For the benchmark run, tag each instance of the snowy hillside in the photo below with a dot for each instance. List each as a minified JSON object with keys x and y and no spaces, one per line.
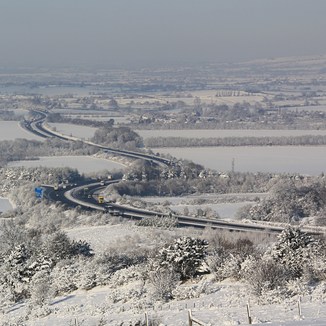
{"x":128,"y":296}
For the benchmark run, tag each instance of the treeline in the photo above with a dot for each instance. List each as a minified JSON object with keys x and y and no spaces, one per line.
{"x":178,"y":186}
{"x":235,"y":141}
{"x":7,"y":115}
{"x":58,"y":118}
{"x":21,"y":149}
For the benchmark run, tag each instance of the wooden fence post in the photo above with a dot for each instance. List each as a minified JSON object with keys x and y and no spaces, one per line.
{"x":299,"y":307}
{"x":189,"y":317}
{"x":249,"y":314}
{"x":146,"y":319}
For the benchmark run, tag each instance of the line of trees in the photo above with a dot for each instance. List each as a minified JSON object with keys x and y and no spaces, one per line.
{"x":57,"y":117}
{"x":236,"y":141}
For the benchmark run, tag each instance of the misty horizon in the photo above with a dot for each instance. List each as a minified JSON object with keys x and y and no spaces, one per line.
{"x":41,"y":33}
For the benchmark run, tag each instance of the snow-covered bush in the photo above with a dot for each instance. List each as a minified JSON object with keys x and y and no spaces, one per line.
{"x":126,"y":275}
{"x":166,"y":222}
{"x":263,"y":274}
{"x":124,"y":288}
{"x":226,"y":267}
{"x":226,"y":255}
{"x":29,"y":254}
{"x":15,"y":272}
{"x":64,"y":276}
{"x":194,"y":290}
{"x":292,"y":263}
{"x":40,"y":288}
{"x":11,"y":235}
{"x":81,"y":248}
{"x":163,"y":282}
{"x":294,"y":250}
{"x":184,"y":256}
{"x":58,"y":246}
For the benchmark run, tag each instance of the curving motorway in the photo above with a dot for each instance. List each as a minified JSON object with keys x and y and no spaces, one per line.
{"x":86,"y":195}
{"x":37,"y":127}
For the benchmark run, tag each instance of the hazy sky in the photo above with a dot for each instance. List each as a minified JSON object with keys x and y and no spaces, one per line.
{"x":140,"y":32}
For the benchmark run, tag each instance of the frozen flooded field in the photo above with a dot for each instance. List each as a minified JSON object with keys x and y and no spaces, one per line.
{"x":194,"y":133}
{"x":82,"y":132}
{"x":84,"y":164}
{"x":310,"y":160}
{"x":10,"y":130}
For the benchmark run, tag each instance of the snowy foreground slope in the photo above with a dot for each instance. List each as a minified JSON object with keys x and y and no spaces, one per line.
{"x":125,"y":301}
{"x":226,"y":306}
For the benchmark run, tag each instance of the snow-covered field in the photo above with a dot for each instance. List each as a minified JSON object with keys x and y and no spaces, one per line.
{"x":84,"y":164}
{"x":10,"y":130}
{"x":5,"y":205}
{"x":82,"y":132}
{"x":308,"y":160}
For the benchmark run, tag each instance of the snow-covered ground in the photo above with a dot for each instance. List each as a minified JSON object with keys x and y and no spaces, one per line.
{"x":82,"y":132}
{"x":226,"y":306}
{"x":10,"y":130}
{"x":214,"y":303}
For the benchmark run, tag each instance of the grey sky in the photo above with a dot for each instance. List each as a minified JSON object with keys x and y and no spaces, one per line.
{"x":128,"y":32}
